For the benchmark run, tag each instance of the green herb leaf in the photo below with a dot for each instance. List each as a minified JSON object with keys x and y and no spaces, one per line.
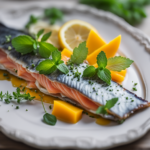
{"x":89,"y":71}
{"x":50,"y":119}
{"x":46,"y":36}
{"x":104,"y":75}
{"x":32,"y":20}
{"x":56,"y":55}
{"x":23,"y":44}
{"x":45,"y":67}
{"x":101,"y":60}
{"x":101,"y":110}
{"x":40,"y":33}
{"x":63,"y":68}
{"x":118,"y":63}
{"x":79,"y":54}
{"x":111,"y":103}
{"x":45,"y":49}
{"x":54,"y":14}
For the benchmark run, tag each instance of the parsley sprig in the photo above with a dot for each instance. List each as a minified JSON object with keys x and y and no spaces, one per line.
{"x":117,"y":63}
{"x":16,"y":96}
{"x":50,"y":65}
{"x":109,"y":104}
{"x":26,"y":44}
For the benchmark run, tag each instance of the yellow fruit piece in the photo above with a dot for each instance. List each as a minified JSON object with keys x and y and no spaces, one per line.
{"x":110,"y":50}
{"x":94,"y":41}
{"x":118,"y":76}
{"x":66,"y":112}
{"x":65,"y":55}
{"x":53,"y":39}
{"x":73,"y":32}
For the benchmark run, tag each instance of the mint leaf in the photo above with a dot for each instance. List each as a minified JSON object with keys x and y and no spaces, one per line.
{"x":56,"y":55}
{"x":79,"y":54}
{"x":40,"y":33}
{"x":46,"y":36}
{"x":45,"y":67}
{"x":45,"y":49}
{"x":23,"y":44}
{"x":89,"y":71}
{"x":101,"y":110}
{"x":111,"y":103}
{"x":101,"y":60}
{"x":118,"y":63}
{"x":105,"y":75}
{"x":63,"y":68}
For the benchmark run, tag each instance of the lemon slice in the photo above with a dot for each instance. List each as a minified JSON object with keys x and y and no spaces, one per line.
{"x":47,"y":28}
{"x":72,"y":33}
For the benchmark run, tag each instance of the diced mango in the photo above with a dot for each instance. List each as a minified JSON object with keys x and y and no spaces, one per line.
{"x":94,"y":41}
{"x":110,"y":50}
{"x":65,"y":54}
{"x":66,"y":112}
{"x":118,"y":76}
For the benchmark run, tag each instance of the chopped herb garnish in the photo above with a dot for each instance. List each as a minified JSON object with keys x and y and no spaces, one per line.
{"x":126,"y":98}
{"x":9,"y":48}
{"x":132,"y":100}
{"x":134,"y":89}
{"x":26,"y":109}
{"x":17,"y":107}
{"x":135,"y":84}
{"x":50,"y":107}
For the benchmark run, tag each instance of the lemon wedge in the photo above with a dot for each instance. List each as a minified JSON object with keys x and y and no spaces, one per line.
{"x":47,"y":28}
{"x":73,"y":32}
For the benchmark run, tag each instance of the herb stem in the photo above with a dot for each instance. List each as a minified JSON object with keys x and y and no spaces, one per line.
{"x":43,"y":104}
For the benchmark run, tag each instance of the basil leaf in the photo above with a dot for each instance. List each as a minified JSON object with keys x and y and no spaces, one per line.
{"x":45,"y":49}
{"x":56,"y":55}
{"x":63,"y":68}
{"x":101,"y":110}
{"x":111,"y":103}
{"x":118,"y":63}
{"x":45,"y":67}
{"x":104,"y":75}
{"x":50,"y":119}
{"x":40,"y":33}
{"x":89,"y":71}
{"x":23,"y":44}
{"x":35,"y":45}
{"x":79,"y":54}
{"x":46,"y":36}
{"x":101,"y":60}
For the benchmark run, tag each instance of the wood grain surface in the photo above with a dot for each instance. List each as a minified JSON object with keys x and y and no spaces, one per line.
{"x":141,"y":144}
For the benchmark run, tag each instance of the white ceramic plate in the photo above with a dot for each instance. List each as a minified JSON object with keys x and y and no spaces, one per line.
{"x":28,"y":127}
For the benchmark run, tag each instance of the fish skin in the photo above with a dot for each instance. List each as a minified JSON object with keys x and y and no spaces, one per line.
{"x":121,"y":110}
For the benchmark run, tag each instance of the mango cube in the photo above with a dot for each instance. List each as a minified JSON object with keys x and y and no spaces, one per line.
{"x":94,"y":41}
{"x":66,"y":112}
{"x":110,"y":50}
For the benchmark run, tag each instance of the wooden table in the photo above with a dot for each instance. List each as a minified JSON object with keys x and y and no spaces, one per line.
{"x":141,"y":144}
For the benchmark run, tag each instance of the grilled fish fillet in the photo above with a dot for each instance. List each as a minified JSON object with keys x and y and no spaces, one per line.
{"x":86,"y":93}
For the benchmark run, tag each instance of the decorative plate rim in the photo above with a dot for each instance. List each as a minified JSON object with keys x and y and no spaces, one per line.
{"x":85,"y":142}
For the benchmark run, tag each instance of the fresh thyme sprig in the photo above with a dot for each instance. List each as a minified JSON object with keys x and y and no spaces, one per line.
{"x":16,"y":96}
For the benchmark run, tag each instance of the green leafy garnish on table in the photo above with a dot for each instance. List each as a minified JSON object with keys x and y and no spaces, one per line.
{"x":32,"y":20}
{"x":25,"y":44}
{"x":117,"y":63}
{"x":53,"y":14}
{"x":109,"y":104}
{"x":79,"y":54}
{"x":130,"y":10}
{"x":50,"y":65}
